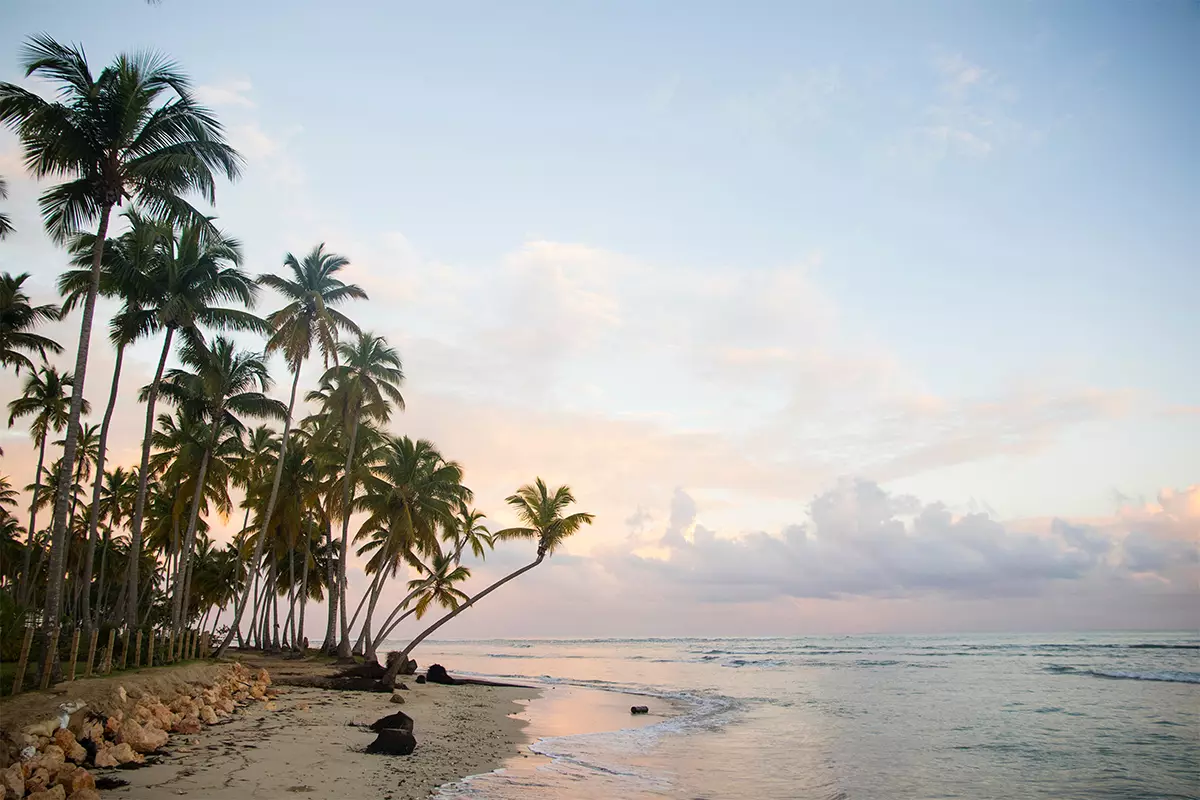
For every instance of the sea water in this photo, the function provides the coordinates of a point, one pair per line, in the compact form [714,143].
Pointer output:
[1113,715]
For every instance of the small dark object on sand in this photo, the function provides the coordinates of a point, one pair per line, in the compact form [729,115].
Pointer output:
[639,709]
[437,674]
[420,679]
[398,721]
[393,743]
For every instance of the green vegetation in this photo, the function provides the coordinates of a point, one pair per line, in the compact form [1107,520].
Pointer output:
[129,545]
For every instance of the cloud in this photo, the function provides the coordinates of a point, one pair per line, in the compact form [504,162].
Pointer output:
[959,75]
[231,93]
[861,541]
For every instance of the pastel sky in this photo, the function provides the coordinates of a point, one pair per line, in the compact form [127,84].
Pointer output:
[841,317]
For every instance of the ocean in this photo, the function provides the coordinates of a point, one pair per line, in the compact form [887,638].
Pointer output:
[1112,715]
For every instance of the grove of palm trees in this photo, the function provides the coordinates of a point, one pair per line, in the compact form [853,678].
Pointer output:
[310,484]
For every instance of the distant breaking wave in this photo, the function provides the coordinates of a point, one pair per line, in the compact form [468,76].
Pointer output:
[1170,676]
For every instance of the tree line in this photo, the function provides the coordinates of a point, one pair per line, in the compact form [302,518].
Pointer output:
[130,545]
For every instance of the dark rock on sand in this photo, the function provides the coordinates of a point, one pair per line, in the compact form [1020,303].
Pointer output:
[407,668]
[371,669]
[393,743]
[437,674]
[639,710]
[420,679]
[398,721]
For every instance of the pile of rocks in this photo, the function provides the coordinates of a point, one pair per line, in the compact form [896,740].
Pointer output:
[49,761]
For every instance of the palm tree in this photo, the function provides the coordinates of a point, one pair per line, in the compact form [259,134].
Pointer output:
[541,511]
[132,132]
[365,384]
[44,398]
[308,317]
[126,268]
[222,386]
[114,507]
[18,318]
[259,452]
[5,223]
[194,272]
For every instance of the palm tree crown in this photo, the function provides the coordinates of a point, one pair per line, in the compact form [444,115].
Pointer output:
[541,511]
[18,318]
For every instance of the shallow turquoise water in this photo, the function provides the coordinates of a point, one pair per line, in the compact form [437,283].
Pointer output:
[1034,716]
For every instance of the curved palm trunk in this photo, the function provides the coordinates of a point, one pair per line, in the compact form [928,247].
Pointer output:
[394,668]
[388,625]
[100,590]
[139,506]
[62,501]
[25,589]
[240,608]
[303,591]
[348,497]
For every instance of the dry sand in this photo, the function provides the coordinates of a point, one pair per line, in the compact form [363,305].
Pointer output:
[310,746]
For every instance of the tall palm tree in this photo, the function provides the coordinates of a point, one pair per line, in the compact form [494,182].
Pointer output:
[5,223]
[366,384]
[44,398]
[542,513]
[114,507]
[220,384]
[133,132]
[195,271]
[261,447]
[125,273]
[309,317]
[18,318]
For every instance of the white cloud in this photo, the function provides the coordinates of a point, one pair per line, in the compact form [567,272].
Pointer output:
[231,93]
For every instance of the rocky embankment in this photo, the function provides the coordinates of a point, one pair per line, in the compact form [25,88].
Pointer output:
[55,759]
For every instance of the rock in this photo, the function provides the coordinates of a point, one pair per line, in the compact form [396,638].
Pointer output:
[397,697]
[122,695]
[124,754]
[264,677]
[437,674]
[73,780]
[12,782]
[393,742]
[370,669]
[270,706]
[37,780]
[55,793]
[420,679]
[84,794]
[639,710]
[398,721]
[92,731]
[51,759]
[104,758]
[142,738]
[72,749]
[207,715]
[187,725]
[112,725]
[401,686]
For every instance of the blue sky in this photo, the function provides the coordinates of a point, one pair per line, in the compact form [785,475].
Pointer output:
[746,251]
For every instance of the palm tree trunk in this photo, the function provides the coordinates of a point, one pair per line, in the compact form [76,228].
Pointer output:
[94,511]
[304,587]
[394,668]
[179,608]
[139,506]
[291,618]
[58,531]
[331,624]
[100,591]
[347,498]
[26,577]
[287,428]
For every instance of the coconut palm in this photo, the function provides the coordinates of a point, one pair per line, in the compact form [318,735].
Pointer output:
[18,319]
[196,271]
[117,494]
[309,317]
[44,398]
[221,385]
[126,267]
[541,511]
[365,385]
[5,223]
[133,132]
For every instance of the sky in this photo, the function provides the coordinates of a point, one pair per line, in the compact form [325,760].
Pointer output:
[857,317]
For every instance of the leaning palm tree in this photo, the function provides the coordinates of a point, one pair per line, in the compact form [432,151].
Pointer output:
[44,398]
[222,385]
[308,318]
[18,318]
[126,268]
[195,272]
[541,511]
[5,223]
[132,132]
[366,384]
